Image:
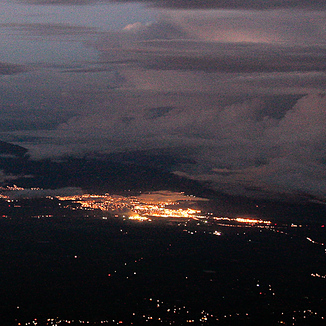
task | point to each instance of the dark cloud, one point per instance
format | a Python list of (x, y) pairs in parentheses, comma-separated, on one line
[(155, 113), (265, 62), (195, 4), (238, 4), (10, 69), (87, 70)]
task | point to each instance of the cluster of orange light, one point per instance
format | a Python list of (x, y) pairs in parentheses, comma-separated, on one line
[(251, 221), (161, 211), (317, 275), (139, 209), (103, 202), (243, 220), (139, 218)]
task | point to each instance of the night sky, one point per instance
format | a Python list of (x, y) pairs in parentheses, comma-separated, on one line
[(233, 91)]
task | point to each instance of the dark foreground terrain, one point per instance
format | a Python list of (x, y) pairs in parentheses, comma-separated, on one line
[(117, 272)]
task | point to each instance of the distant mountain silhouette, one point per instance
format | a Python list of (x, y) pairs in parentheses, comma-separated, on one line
[(11, 149)]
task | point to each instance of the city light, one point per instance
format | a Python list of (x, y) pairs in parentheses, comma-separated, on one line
[(251, 221), (137, 208)]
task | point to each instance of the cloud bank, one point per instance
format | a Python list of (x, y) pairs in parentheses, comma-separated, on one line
[(236, 97)]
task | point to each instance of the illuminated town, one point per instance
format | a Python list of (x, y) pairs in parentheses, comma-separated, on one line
[(141, 247), (137, 208)]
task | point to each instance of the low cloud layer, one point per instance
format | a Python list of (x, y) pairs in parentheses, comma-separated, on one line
[(261, 155), (240, 148)]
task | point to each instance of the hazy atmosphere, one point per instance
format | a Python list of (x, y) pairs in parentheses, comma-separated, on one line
[(233, 91)]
